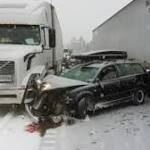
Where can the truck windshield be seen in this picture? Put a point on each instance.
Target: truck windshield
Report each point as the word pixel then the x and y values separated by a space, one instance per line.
pixel 20 34
pixel 85 74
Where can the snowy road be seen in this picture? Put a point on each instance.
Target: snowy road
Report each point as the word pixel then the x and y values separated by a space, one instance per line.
pixel 121 128
pixel 124 127
pixel 12 132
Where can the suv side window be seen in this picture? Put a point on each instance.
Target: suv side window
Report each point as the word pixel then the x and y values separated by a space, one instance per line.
pixel 136 68
pixel 124 69
pixel 129 69
pixel 108 73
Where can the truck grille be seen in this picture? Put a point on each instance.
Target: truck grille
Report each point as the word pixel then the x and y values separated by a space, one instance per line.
pixel 7 71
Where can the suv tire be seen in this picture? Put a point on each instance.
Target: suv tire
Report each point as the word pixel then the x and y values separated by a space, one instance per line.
pixel 85 105
pixel 82 108
pixel 139 96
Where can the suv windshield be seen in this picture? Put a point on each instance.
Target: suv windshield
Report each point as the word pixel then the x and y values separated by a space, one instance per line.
pixel 20 34
pixel 82 73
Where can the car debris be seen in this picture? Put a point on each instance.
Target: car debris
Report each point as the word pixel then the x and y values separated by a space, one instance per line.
pixel 51 95
pixel 42 126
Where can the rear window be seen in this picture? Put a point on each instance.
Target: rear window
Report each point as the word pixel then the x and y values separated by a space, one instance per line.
pixel 136 69
pixel 130 69
pixel 124 69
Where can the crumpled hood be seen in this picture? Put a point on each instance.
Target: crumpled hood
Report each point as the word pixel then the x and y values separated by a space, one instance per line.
pixel 12 52
pixel 58 82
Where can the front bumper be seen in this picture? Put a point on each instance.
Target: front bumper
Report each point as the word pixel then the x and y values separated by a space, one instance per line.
pixel 11 96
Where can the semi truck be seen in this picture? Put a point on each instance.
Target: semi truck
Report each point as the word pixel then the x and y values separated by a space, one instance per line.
pixel 30 46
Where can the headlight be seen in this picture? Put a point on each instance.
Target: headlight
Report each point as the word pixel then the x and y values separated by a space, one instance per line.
pixel 45 86
pixel 38 83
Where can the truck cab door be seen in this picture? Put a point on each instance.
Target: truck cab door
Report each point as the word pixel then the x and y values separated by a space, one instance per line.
pixel 127 79
pixel 109 83
pixel 47 51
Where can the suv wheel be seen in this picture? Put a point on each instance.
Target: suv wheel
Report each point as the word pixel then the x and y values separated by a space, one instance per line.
pixel 85 105
pixel 82 108
pixel 139 96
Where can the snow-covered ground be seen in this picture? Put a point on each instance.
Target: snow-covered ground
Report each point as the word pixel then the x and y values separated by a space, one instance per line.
pixel 124 127
pixel 12 132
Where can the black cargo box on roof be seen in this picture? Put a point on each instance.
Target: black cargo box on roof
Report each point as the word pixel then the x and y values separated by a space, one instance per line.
pixel 101 55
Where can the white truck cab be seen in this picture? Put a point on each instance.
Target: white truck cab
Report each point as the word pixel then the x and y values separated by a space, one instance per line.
pixel 30 44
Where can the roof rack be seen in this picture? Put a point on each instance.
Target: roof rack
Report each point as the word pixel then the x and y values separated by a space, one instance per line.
pixel 101 55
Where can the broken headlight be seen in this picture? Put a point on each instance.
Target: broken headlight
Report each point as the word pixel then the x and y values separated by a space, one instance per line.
pixel 45 86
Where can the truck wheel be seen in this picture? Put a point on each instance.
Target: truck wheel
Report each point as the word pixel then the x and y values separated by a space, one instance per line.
pixel 139 96
pixel 29 108
pixel 38 107
pixel 31 96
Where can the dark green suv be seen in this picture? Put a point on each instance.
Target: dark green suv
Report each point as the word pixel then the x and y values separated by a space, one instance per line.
pixel 109 82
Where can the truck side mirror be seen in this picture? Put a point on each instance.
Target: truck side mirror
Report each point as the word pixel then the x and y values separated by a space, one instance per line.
pixel 52 38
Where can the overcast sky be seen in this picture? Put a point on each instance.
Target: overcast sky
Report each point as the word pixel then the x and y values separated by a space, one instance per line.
pixel 80 17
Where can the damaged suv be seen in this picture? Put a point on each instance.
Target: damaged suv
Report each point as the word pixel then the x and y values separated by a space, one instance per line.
pixel 108 83
pixel 91 86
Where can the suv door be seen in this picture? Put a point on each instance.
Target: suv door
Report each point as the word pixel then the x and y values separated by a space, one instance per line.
pixel 127 79
pixel 109 83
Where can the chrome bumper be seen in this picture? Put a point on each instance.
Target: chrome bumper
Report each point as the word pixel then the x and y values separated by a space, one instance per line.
pixel 11 96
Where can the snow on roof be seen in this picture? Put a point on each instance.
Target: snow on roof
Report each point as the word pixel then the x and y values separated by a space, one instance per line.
pixel 20 2
pixel 115 12
pixel 23 5
pixel 95 52
pixel 91 52
pixel 25 12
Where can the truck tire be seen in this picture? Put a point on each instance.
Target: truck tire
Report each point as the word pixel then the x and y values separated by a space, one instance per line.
pixel 29 109
pixel 35 93
pixel 139 96
pixel 38 108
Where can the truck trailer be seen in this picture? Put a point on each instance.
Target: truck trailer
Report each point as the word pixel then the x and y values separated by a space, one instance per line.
pixel 30 46
pixel 127 29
